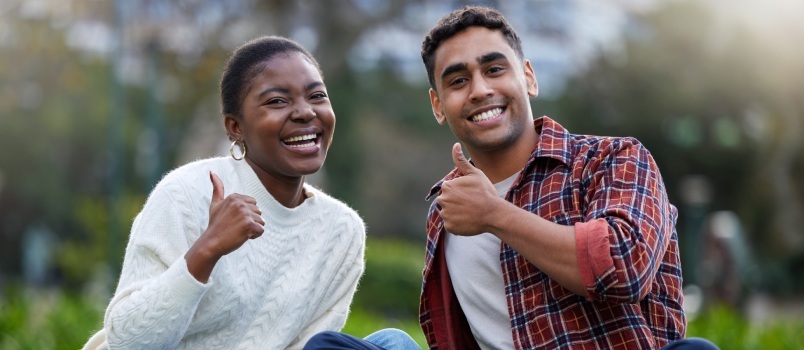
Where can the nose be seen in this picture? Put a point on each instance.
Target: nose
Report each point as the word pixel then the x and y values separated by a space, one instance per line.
pixel 480 88
pixel 303 113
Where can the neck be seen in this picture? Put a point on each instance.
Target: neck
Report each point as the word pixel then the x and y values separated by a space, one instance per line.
pixel 500 164
pixel 287 190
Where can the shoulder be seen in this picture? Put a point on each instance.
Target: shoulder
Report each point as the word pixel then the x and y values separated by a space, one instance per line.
pixel 192 177
pixel 333 206
pixel 593 147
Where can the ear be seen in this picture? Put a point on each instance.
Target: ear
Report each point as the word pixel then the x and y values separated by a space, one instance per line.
pixel 530 79
pixel 437 111
pixel 233 127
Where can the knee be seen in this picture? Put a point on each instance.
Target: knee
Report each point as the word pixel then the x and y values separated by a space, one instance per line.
pixel 389 333
pixel 323 339
pixel 392 338
pixel 691 344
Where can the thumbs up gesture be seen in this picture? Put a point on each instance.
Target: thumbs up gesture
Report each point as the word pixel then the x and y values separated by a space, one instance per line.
pixel 466 201
pixel 233 219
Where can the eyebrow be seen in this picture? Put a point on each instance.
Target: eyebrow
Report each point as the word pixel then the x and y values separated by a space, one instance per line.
pixel 269 90
pixel 457 67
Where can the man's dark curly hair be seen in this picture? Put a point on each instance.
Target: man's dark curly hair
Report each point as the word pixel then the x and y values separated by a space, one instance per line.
pixel 458 20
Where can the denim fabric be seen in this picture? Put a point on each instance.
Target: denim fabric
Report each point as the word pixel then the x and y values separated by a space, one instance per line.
pixel 385 339
pixel 691 344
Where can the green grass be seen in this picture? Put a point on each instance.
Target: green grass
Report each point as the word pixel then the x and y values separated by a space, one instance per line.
pixel 730 330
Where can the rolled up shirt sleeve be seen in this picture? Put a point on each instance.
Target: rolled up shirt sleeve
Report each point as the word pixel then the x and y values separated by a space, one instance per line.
pixel 627 227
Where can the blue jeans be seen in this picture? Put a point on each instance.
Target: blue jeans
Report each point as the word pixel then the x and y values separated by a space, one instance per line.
pixel 690 344
pixel 394 339
pixel 384 339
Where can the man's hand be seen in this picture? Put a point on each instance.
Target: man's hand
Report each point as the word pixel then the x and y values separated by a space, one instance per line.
pixel 233 220
pixel 467 202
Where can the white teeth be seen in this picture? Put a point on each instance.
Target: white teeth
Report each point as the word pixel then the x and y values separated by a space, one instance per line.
pixel 300 138
pixel 302 145
pixel 487 115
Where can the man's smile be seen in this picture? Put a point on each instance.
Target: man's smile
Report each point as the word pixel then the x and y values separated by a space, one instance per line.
pixel 486 115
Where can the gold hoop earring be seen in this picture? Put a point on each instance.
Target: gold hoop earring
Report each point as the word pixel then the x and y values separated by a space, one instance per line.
pixel 242 146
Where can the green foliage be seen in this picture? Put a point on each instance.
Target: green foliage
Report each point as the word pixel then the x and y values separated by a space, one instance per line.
pixel 46 319
pixel 730 330
pixel 392 282
pixel 78 258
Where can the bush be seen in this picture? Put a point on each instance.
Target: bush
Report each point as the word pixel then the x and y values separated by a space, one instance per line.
pixel 392 282
pixel 46 319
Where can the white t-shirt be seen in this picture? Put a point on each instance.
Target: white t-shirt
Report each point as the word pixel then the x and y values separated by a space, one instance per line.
pixel 474 267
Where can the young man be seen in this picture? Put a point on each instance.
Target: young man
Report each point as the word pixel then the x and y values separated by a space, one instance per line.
pixel 545 239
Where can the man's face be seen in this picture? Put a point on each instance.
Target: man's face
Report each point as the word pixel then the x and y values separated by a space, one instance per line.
pixel 483 89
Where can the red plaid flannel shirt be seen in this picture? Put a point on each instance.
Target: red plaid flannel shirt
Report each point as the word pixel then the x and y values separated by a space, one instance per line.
pixel 610 189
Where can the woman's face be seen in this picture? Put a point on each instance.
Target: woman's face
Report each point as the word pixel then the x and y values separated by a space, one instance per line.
pixel 287 121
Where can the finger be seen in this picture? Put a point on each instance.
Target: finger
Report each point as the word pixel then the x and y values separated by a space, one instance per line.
pixel 217 188
pixel 254 208
pixel 460 161
pixel 243 198
pixel 247 199
pixel 257 230
pixel 258 219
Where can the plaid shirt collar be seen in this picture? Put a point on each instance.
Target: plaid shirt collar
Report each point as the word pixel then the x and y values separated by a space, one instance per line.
pixel 553 142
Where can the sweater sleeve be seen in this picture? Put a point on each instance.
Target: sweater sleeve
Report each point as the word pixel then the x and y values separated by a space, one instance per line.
pixel 156 296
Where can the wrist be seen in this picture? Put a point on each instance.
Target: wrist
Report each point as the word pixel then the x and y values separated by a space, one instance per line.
pixel 497 214
pixel 201 261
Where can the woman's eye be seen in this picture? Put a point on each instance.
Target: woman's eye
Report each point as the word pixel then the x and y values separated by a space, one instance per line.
pixel 274 101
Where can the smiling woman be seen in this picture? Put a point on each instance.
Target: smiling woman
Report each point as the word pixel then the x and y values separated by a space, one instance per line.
pixel 240 252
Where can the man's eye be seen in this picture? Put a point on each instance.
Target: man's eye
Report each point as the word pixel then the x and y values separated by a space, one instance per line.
pixel 319 95
pixel 457 81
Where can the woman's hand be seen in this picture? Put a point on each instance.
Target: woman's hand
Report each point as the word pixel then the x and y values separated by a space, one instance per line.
pixel 233 220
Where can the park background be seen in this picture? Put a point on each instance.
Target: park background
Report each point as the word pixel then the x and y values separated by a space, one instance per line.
pixel 99 98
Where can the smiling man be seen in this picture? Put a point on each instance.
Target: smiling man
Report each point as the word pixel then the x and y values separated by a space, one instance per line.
pixel 546 239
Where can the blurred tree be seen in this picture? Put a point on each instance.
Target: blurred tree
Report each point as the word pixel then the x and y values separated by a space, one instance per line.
pixel 711 98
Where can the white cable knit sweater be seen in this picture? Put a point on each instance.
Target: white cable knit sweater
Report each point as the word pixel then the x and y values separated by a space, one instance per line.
pixel 274 292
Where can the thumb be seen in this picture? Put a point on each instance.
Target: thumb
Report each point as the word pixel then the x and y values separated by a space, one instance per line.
pixel 217 188
pixel 460 161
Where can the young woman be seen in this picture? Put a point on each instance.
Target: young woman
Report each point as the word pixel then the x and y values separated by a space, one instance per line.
pixel 239 252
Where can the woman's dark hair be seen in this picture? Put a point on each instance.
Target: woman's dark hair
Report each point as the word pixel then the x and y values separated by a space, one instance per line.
pixel 247 61
pixel 458 20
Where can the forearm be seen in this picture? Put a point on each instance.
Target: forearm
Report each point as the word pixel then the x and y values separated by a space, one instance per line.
pixel 154 313
pixel 547 245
